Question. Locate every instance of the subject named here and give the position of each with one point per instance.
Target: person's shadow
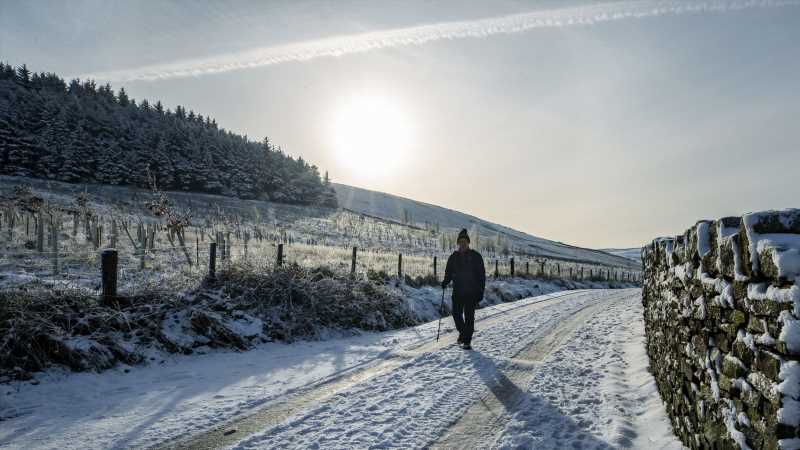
(534, 422)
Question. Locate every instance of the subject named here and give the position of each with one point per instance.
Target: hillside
(630, 253)
(399, 209)
(79, 132)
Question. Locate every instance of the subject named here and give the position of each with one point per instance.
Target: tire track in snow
(278, 411)
(417, 401)
(582, 395)
(486, 416)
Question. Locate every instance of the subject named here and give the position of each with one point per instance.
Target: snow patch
(730, 418)
(703, 239)
(790, 332)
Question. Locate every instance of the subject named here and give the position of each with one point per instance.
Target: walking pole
(441, 313)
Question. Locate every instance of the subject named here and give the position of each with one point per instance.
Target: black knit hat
(463, 235)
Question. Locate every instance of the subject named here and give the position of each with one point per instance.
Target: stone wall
(721, 309)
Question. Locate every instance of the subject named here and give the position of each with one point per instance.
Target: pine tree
(52, 139)
(122, 98)
(79, 132)
(24, 76)
(161, 166)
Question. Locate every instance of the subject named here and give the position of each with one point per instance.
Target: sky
(599, 124)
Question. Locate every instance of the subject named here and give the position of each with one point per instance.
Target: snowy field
(251, 230)
(563, 370)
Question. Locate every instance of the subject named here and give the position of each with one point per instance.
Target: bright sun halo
(372, 135)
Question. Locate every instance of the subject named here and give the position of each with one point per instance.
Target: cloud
(418, 35)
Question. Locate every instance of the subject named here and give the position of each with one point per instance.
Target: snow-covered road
(565, 370)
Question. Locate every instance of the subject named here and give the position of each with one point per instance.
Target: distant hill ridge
(630, 253)
(399, 209)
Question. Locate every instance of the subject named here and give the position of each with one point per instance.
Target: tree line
(81, 132)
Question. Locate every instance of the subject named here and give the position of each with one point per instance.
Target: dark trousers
(464, 317)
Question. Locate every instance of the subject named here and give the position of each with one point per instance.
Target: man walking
(466, 270)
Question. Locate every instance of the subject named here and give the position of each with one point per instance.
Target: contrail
(419, 35)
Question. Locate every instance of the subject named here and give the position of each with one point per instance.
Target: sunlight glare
(371, 135)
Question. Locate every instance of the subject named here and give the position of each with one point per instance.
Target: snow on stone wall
(722, 316)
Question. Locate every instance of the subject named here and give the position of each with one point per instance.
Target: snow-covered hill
(304, 221)
(392, 207)
(630, 253)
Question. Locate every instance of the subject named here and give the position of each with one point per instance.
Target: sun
(372, 135)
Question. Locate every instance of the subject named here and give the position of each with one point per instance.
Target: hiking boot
(460, 340)
(466, 347)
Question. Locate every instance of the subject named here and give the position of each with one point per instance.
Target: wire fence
(177, 269)
(65, 251)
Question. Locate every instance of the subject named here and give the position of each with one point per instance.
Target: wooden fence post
(279, 262)
(40, 233)
(400, 265)
(353, 261)
(212, 260)
(512, 267)
(55, 247)
(142, 249)
(435, 275)
(108, 259)
(496, 268)
(12, 222)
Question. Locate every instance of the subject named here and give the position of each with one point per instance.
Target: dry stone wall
(722, 317)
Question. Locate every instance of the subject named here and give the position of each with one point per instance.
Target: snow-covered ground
(594, 391)
(575, 361)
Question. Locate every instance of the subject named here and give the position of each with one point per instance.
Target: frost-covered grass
(244, 305)
(251, 232)
(51, 315)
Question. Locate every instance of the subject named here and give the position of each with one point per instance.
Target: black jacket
(467, 273)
